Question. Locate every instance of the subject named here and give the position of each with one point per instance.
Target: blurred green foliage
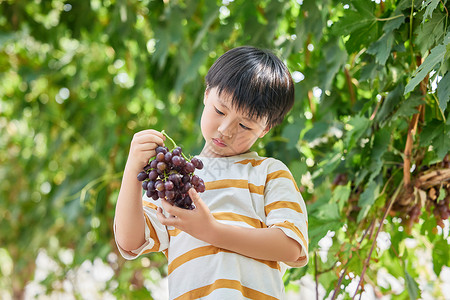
(79, 78)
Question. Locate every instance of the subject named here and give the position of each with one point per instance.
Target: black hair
(257, 82)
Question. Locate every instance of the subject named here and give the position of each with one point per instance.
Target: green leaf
(359, 126)
(313, 20)
(328, 212)
(440, 255)
(319, 129)
(190, 71)
(380, 145)
(382, 48)
(355, 20)
(443, 91)
(334, 59)
(408, 107)
(430, 7)
(211, 16)
(341, 194)
(395, 22)
(388, 106)
(442, 142)
(367, 199)
(292, 132)
(298, 168)
(431, 33)
(429, 132)
(437, 134)
(411, 286)
(436, 56)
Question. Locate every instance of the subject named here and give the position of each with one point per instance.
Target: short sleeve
(156, 235)
(285, 208)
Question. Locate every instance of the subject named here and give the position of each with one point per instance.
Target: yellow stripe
(208, 250)
(174, 232)
(282, 174)
(150, 205)
(282, 204)
(292, 227)
(235, 183)
(254, 162)
(229, 216)
(153, 236)
(225, 284)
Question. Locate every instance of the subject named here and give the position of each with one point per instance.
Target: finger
(195, 197)
(160, 216)
(172, 209)
(151, 131)
(167, 221)
(149, 138)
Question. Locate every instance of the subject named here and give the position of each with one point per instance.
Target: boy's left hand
(198, 222)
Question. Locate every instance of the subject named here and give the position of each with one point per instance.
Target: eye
(244, 127)
(218, 111)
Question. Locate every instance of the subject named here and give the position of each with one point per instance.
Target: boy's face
(226, 131)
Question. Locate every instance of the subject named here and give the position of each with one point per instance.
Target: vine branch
(366, 263)
(351, 91)
(338, 286)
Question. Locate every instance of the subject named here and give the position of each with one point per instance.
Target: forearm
(261, 243)
(129, 215)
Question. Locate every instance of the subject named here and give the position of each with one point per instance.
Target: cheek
(207, 121)
(246, 139)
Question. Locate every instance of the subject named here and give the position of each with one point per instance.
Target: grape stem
(174, 144)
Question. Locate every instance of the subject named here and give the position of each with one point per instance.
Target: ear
(265, 131)
(205, 95)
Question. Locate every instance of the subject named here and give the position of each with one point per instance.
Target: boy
(251, 216)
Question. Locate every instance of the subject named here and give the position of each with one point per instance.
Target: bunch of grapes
(170, 175)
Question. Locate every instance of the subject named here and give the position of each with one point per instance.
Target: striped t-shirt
(244, 190)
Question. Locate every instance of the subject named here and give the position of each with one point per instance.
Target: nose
(226, 129)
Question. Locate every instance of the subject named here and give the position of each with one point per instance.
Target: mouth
(219, 142)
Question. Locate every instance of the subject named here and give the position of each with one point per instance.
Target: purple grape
(195, 161)
(152, 175)
(176, 160)
(153, 164)
(195, 180)
(161, 166)
(142, 176)
(144, 185)
(169, 175)
(189, 167)
(160, 156)
(200, 187)
(168, 185)
(151, 185)
(160, 149)
(170, 195)
(187, 186)
(177, 151)
(168, 157)
(175, 178)
(159, 186)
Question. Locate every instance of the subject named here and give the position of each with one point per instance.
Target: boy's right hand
(142, 148)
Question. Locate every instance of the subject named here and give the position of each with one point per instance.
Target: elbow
(293, 252)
